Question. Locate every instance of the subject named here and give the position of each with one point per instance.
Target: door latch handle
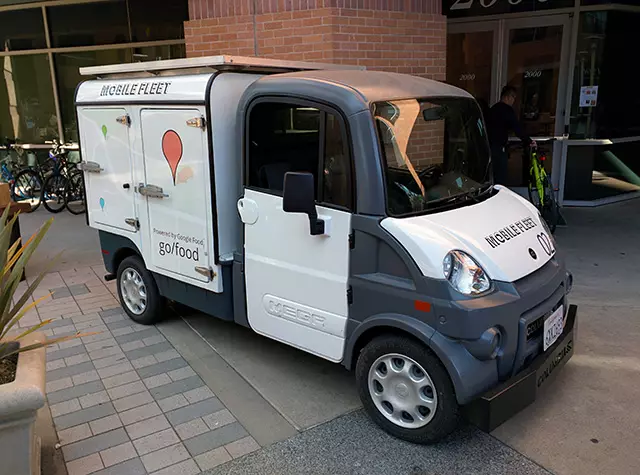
(90, 167)
(208, 272)
(152, 191)
(133, 222)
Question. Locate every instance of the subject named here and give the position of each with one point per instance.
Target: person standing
(501, 121)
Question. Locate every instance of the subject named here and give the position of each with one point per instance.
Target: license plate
(553, 327)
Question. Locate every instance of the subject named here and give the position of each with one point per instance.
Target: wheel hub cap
(134, 292)
(402, 391)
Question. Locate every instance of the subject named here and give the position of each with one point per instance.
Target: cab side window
(287, 137)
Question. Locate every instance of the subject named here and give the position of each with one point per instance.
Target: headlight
(464, 274)
(545, 226)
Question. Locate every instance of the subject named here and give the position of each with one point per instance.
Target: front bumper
(508, 398)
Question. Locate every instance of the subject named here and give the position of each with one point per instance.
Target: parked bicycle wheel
(27, 188)
(74, 198)
(546, 204)
(550, 211)
(53, 193)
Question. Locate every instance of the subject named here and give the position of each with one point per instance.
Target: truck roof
(208, 64)
(338, 87)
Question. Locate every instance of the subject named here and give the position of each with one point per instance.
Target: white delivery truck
(348, 213)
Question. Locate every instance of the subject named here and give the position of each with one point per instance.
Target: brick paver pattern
(124, 401)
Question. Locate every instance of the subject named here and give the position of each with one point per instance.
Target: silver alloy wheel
(134, 292)
(402, 391)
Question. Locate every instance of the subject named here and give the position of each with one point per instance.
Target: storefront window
(27, 110)
(602, 171)
(609, 110)
(67, 69)
(150, 23)
(156, 53)
(470, 62)
(85, 24)
(22, 29)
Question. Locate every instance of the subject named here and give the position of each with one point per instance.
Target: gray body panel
(385, 283)
(351, 93)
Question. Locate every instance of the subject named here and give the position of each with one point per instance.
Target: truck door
(105, 148)
(296, 283)
(178, 192)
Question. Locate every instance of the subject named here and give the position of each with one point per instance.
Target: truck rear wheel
(138, 292)
(406, 390)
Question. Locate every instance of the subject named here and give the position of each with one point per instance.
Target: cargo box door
(178, 192)
(105, 148)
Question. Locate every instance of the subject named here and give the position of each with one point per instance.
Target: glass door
(472, 60)
(535, 62)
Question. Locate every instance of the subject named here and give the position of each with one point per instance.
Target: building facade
(568, 59)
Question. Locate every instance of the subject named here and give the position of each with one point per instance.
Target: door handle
(151, 191)
(205, 271)
(90, 167)
(248, 210)
(133, 222)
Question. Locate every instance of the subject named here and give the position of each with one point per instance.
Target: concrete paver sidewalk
(123, 400)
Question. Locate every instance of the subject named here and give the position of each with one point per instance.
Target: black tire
(154, 301)
(74, 197)
(27, 187)
(53, 193)
(447, 416)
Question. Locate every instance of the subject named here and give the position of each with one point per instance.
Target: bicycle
(55, 185)
(74, 196)
(541, 192)
(26, 185)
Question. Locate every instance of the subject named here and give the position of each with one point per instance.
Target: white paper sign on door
(588, 96)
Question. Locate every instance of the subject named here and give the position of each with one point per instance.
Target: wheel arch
(469, 375)
(115, 249)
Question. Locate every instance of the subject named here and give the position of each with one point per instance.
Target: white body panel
(106, 142)
(175, 160)
(473, 229)
(190, 88)
(296, 283)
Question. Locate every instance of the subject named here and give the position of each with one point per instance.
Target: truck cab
(348, 213)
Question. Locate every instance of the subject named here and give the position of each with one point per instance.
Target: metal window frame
(49, 51)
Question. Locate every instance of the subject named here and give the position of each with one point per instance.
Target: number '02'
(467, 4)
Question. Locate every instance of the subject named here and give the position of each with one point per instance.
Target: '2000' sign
(467, 4)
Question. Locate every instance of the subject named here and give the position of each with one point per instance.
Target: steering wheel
(434, 171)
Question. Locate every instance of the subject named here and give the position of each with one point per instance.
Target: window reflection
(98, 23)
(27, 110)
(67, 68)
(22, 29)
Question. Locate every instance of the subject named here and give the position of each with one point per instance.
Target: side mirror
(298, 197)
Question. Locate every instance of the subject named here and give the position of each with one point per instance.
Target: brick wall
(405, 36)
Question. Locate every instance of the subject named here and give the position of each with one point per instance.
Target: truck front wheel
(138, 291)
(406, 390)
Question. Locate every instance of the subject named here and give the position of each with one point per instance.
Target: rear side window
(285, 137)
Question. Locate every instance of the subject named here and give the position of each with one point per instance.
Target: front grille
(535, 328)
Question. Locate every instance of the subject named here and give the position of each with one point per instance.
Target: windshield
(435, 151)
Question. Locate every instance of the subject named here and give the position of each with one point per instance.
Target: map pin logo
(102, 204)
(104, 131)
(172, 150)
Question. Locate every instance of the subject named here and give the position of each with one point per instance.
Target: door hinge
(198, 122)
(133, 222)
(349, 295)
(208, 272)
(352, 241)
(152, 191)
(124, 120)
